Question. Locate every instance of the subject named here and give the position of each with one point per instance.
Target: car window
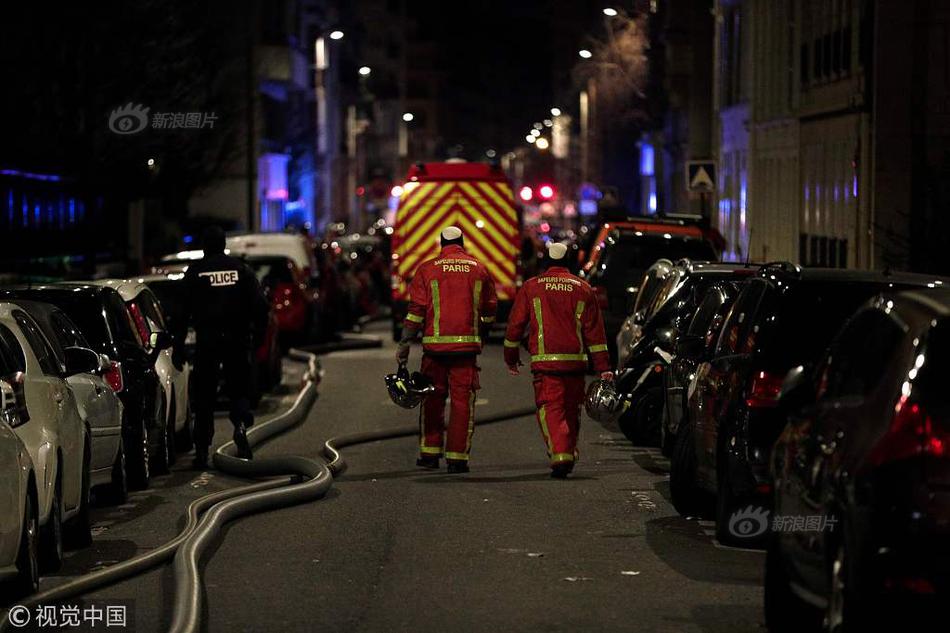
(41, 347)
(703, 316)
(860, 356)
(12, 359)
(152, 311)
(737, 331)
(67, 333)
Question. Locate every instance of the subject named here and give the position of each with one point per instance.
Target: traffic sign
(701, 176)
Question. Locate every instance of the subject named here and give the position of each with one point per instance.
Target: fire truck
(477, 198)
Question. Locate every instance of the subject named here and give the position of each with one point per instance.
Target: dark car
(106, 323)
(785, 316)
(867, 449)
(293, 302)
(625, 250)
(649, 356)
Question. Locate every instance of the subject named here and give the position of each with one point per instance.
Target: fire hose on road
(292, 480)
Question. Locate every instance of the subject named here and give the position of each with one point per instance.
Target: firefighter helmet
(603, 402)
(408, 390)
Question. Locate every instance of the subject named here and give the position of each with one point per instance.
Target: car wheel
(78, 530)
(667, 439)
(117, 491)
(728, 506)
(686, 496)
(137, 455)
(160, 456)
(641, 422)
(784, 611)
(27, 579)
(51, 535)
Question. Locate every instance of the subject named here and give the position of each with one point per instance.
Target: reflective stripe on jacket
(451, 298)
(559, 314)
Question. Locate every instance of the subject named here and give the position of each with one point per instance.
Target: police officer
(224, 302)
(561, 318)
(451, 300)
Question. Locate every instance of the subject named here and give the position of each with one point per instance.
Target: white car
(148, 317)
(19, 521)
(295, 246)
(99, 406)
(53, 433)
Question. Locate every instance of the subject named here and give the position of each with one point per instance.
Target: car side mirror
(666, 339)
(105, 364)
(632, 299)
(12, 401)
(798, 389)
(81, 360)
(160, 340)
(689, 345)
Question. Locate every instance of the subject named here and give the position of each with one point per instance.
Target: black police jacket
(223, 301)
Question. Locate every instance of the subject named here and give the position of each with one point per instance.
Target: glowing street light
(610, 12)
(365, 71)
(548, 123)
(535, 133)
(584, 53)
(555, 111)
(546, 191)
(542, 143)
(526, 194)
(530, 138)
(336, 35)
(408, 116)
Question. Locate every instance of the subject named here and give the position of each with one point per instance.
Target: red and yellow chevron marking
(483, 210)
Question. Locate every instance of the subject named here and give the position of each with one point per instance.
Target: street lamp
(365, 71)
(408, 116)
(535, 132)
(584, 53)
(555, 111)
(336, 35)
(610, 12)
(530, 138)
(542, 143)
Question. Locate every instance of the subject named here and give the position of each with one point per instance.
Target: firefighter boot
(457, 466)
(430, 462)
(561, 470)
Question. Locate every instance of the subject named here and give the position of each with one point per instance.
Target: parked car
(19, 522)
(99, 406)
(650, 354)
(867, 445)
(293, 302)
(624, 251)
(641, 303)
(52, 431)
(105, 321)
(268, 366)
(293, 245)
(149, 318)
(692, 346)
(785, 316)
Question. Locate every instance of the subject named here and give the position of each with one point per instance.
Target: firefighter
(224, 302)
(452, 301)
(559, 314)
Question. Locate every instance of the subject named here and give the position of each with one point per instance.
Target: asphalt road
(394, 548)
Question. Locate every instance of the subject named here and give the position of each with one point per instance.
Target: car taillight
(764, 390)
(140, 324)
(113, 376)
(912, 433)
(601, 293)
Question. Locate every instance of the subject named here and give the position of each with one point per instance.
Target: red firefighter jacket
(450, 299)
(560, 315)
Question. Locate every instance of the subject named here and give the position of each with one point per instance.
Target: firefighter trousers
(454, 378)
(559, 398)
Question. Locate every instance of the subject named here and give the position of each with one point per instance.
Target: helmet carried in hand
(603, 402)
(407, 390)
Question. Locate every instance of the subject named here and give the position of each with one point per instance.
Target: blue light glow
(646, 160)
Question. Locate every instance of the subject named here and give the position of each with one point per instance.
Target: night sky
(507, 63)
